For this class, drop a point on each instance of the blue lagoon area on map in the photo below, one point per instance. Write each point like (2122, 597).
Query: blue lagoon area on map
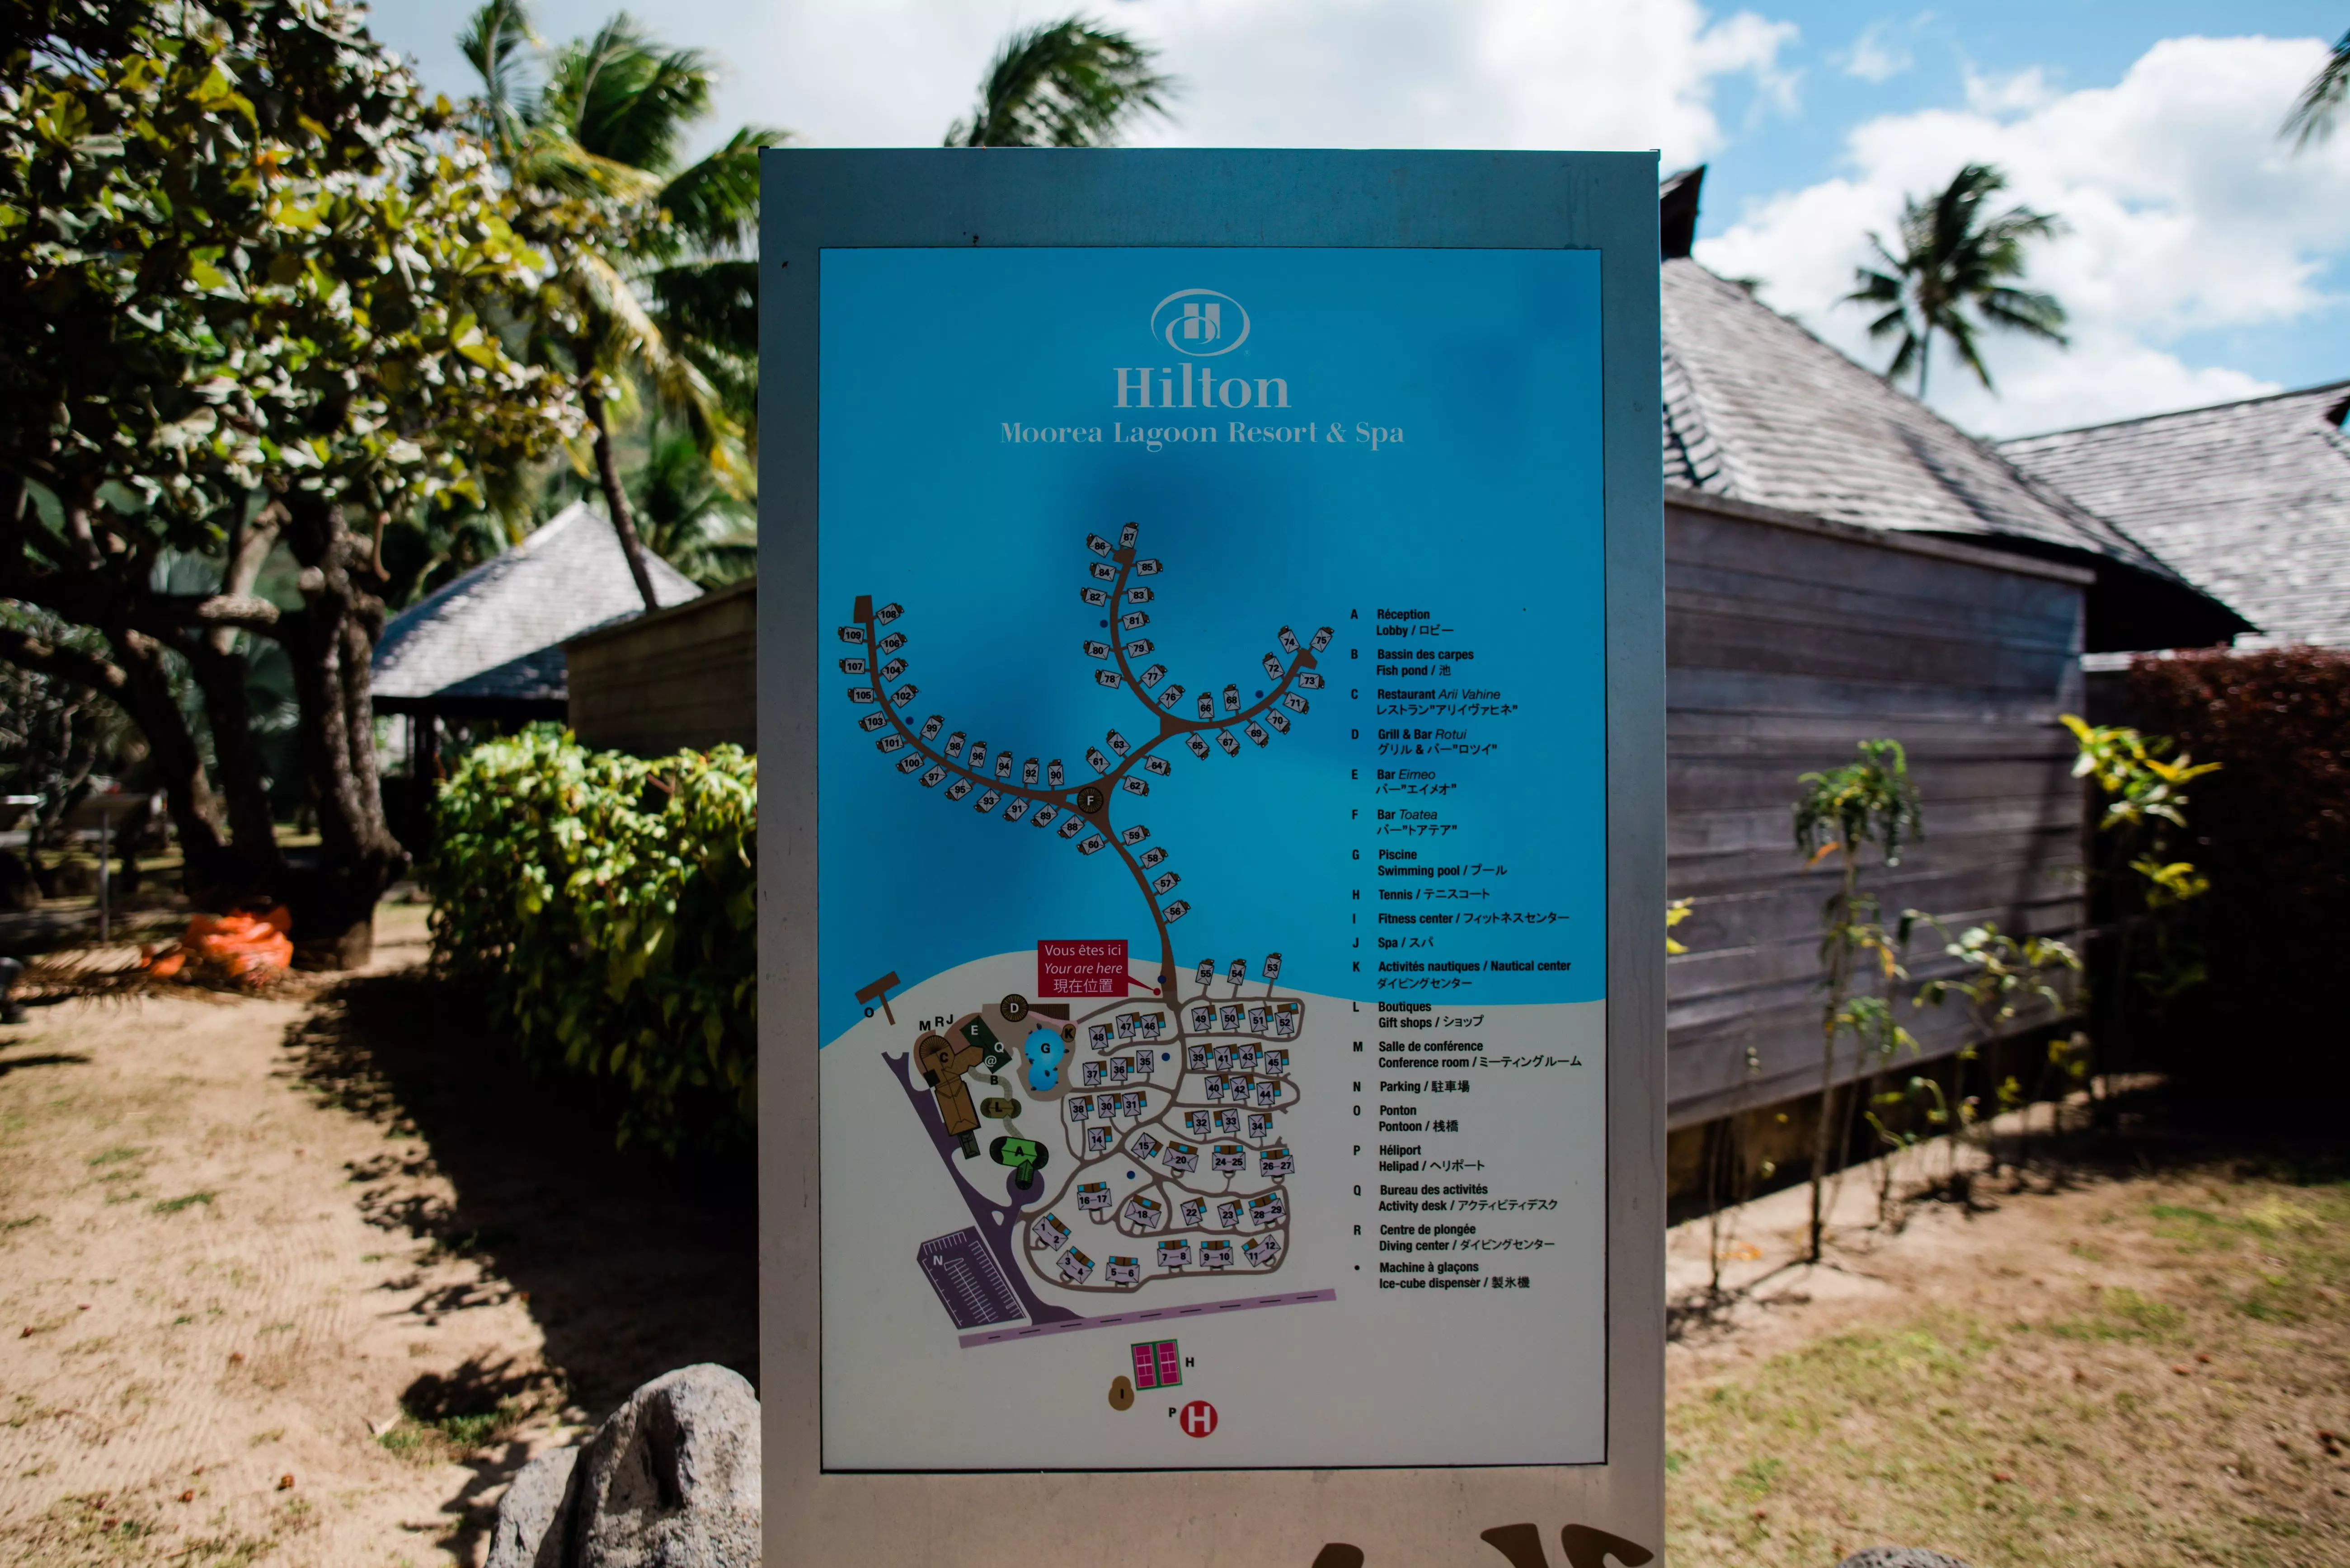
(1301, 438)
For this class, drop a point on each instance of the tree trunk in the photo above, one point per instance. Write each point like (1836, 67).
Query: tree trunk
(334, 900)
(221, 672)
(253, 829)
(616, 498)
(127, 835)
(214, 870)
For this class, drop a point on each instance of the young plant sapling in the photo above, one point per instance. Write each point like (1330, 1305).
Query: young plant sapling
(2144, 801)
(2004, 974)
(1867, 800)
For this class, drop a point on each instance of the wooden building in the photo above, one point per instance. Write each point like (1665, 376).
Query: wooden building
(1843, 564)
(683, 676)
(1789, 640)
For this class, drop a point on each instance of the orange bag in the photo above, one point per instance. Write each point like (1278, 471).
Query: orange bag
(246, 949)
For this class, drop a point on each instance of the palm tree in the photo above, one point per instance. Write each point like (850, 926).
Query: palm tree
(689, 519)
(2311, 118)
(665, 312)
(1063, 84)
(1953, 257)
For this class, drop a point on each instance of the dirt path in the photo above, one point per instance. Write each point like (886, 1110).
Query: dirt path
(340, 1241)
(2145, 1362)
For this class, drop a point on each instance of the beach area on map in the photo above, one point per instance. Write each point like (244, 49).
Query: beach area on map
(1407, 1374)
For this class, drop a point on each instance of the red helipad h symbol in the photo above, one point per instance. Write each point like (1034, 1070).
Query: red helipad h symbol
(1198, 1418)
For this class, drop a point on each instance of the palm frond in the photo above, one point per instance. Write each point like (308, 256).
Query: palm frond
(2315, 112)
(545, 158)
(713, 204)
(1064, 84)
(1907, 356)
(1964, 338)
(2037, 314)
(493, 44)
(713, 303)
(1873, 287)
(687, 518)
(630, 343)
(622, 96)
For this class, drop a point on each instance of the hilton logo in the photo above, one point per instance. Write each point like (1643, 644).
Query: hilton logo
(1198, 324)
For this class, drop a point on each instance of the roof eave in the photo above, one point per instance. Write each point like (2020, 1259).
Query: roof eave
(2131, 609)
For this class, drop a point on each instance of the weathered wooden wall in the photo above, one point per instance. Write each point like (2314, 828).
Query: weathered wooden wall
(682, 677)
(1788, 641)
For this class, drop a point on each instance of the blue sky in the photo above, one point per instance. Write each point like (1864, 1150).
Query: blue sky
(2202, 262)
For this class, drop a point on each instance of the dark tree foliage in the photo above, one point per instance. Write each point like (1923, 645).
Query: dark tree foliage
(245, 267)
(2272, 832)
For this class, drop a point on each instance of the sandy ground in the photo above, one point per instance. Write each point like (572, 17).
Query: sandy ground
(306, 1281)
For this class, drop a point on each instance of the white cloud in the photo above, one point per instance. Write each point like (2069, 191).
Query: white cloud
(1877, 56)
(2009, 92)
(1304, 72)
(2184, 212)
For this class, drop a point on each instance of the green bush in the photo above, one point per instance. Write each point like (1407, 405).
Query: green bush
(607, 906)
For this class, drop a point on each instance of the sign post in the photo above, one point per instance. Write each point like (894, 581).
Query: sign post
(1211, 671)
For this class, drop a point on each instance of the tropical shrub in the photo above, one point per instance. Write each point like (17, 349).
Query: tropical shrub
(607, 906)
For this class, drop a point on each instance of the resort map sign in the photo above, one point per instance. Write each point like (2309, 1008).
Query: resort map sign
(1212, 837)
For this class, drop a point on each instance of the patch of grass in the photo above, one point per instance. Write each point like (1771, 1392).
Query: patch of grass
(228, 1550)
(2275, 1215)
(2122, 1314)
(467, 1243)
(432, 1441)
(1754, 1477)
(15, 1225)
(115, 1156)
(89, 1528)
(174, 1205)
(2087, 1440)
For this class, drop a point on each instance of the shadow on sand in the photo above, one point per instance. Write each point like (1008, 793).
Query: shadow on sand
(630, 1264)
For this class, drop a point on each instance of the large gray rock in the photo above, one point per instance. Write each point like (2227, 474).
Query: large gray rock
(672, 1480)
(530, 1505)
(1900, 1557)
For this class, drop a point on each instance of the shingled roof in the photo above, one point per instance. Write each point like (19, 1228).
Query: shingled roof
(490, 642)
(1757, 409)
(2252, 500)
